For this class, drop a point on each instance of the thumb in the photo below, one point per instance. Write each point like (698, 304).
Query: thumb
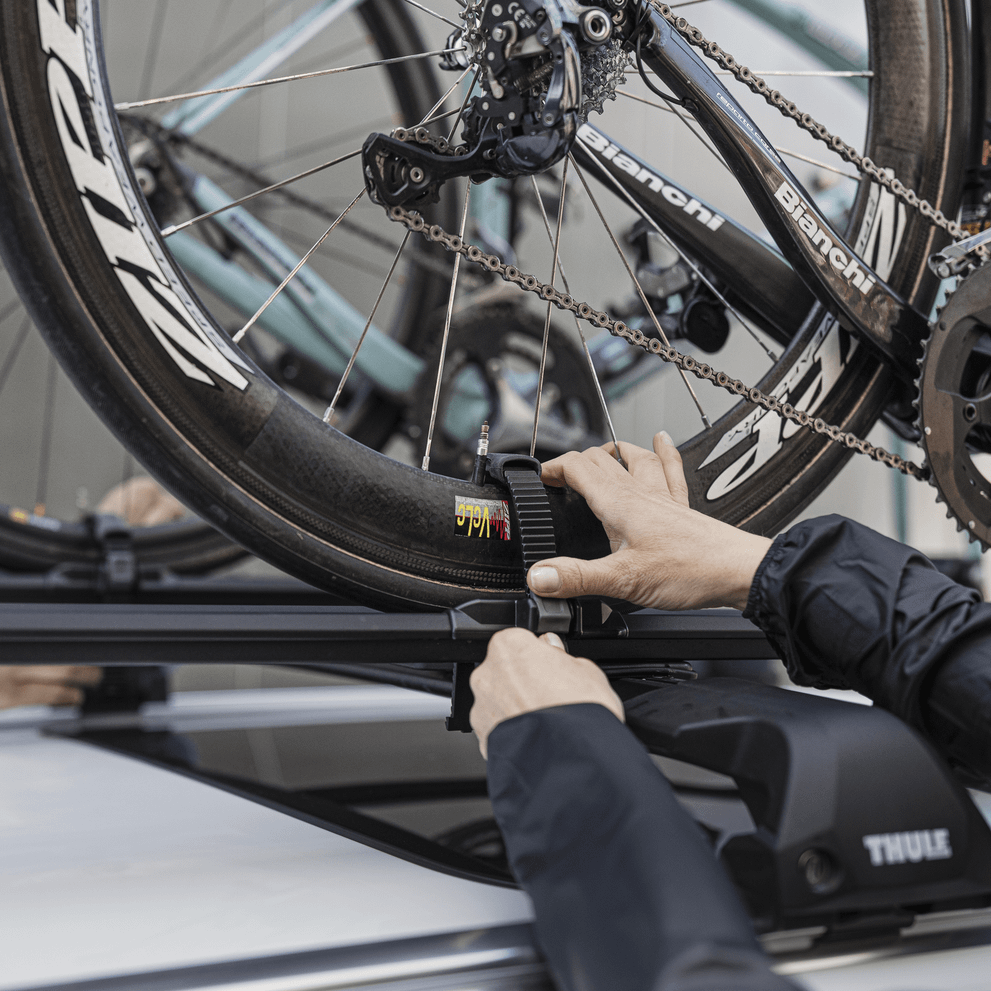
(564, 577)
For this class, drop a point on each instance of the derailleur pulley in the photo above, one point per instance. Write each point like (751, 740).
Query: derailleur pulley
(528, 110)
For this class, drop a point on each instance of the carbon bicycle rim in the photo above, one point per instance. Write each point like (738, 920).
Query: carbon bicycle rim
(267, 471)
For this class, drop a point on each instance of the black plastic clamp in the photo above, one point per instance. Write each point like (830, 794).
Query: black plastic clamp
(531, 518)
(118, 567)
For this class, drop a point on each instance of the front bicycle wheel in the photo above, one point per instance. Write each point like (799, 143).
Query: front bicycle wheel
(162, 370)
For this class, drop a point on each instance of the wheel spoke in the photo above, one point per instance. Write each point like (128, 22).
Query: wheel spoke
(578, 326)
(428, 117)
(686, 118)
(176, 97)
(285, 282)
(818, 164)
(690, 263)
(464, 106)
(10, 309)
(556, 246)
(259, 192)
(322, 144)
(329, 414)
(433, 13)
(22, 333)
(640, 292)
(48, 423)
(154, 46)
(704, 140)
(212, 55)
(447, 332)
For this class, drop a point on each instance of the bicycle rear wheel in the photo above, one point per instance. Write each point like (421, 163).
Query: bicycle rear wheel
(126, 324)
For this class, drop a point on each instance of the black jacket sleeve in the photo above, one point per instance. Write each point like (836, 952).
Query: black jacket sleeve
(848, 608)
(627, 893)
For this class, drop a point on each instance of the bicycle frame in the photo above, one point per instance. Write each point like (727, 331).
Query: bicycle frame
(764, 285)
(816, 251)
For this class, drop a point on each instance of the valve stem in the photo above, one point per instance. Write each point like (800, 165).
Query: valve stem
(481, 453)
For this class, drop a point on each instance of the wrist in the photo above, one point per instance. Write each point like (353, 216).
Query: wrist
(740, 554)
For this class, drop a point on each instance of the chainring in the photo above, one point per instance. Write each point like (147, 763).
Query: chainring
(955, 406)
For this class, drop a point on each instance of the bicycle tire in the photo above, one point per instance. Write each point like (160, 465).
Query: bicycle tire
(32, 544)
(301, 494)
(38, 541)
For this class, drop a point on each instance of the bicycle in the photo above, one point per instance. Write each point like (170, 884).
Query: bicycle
(216, 430)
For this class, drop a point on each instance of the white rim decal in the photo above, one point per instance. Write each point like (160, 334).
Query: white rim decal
(118, 221)
(827, 354)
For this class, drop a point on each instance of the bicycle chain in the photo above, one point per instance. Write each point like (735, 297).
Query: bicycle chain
(415, 222)
(808, 123)
(636, 338)
(154, 131)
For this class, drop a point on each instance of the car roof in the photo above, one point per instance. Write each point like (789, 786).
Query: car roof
(111, 865)
(117, 873)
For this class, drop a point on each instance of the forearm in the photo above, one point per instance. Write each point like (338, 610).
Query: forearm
(849, 608)
(627, 893)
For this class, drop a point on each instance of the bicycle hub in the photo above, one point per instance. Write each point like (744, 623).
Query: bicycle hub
(542, 66)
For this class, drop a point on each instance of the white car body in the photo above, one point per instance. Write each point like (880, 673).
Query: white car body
(111, 868)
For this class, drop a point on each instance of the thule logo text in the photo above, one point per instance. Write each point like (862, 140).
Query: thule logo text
(849, 268)
(908, 848)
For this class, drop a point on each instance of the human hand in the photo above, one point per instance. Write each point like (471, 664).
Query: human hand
(522, 674)
(45, 684)
(664, 554)
(141, 501)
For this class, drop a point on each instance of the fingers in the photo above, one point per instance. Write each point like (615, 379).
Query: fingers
(51, 674)
(163, 510)
(594, 475)
(38, 694)
(14, 693)
(491, 682)
(141, 501)
(566, 577)
(522, 674)
(674, 468)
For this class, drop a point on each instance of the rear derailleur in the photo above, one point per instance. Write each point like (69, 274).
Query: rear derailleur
(529, 57)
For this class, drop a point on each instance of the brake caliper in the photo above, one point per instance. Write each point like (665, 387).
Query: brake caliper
(529, 54)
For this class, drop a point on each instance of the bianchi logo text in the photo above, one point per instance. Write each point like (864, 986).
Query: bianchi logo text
(849, 268)
(908, 848)
(589, 136)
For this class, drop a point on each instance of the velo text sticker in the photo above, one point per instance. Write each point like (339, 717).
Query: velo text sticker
(485, 518)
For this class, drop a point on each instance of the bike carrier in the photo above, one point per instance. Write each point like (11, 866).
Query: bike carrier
(858, 824)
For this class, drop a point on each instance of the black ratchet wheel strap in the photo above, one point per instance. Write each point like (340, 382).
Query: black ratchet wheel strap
(532, 510)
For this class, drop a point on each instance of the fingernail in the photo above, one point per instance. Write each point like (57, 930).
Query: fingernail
(665, 437)
(544, 580)
(553, 640)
